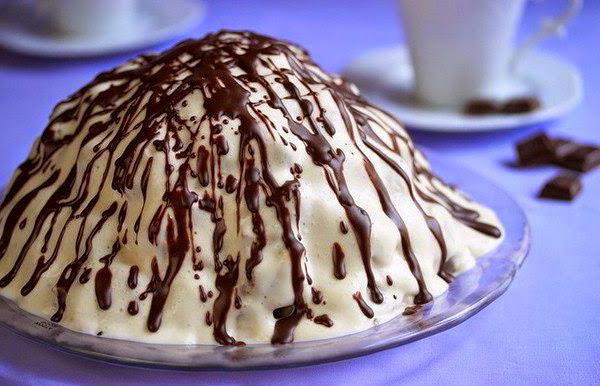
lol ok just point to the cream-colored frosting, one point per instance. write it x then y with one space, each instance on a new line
184 315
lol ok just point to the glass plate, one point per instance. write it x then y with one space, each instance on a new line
468 294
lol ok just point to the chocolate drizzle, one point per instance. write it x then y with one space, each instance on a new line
339 267
104 279
132 279
137 113
225 284
364 307
132 308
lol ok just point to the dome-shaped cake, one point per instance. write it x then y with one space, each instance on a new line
226 191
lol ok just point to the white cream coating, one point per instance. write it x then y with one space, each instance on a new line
183 318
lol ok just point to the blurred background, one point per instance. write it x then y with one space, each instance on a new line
334 32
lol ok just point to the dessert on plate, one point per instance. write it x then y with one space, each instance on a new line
229 191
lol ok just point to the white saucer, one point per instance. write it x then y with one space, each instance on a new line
385 77
22 31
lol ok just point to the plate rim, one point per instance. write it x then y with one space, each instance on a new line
46 47
517 257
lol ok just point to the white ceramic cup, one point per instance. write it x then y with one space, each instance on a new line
90 17
464 49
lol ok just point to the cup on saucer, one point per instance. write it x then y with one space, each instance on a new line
90 17
462 50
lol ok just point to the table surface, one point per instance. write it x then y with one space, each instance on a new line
543 330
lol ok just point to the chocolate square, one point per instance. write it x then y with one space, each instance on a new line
535 150
481 107
562 187
584 158
520 105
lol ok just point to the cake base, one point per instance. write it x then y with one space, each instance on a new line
469 293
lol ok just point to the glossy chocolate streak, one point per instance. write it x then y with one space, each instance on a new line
339 267
364 307
252 196
368 135
128 132
71 271
132 279
343 227
388 207
132 308
225 284
104 279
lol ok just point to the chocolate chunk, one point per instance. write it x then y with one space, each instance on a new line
562 187
535 150
481 107
324 320
584 158
562 147
520 105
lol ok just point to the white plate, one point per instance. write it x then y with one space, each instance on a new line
22 31
385 77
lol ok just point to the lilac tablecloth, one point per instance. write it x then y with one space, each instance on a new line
543 330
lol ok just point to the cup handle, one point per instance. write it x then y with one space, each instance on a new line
550 27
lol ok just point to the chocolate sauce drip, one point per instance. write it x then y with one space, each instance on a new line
12 219
140 104
308 278
364 307
203 174
122 214
70 272
367 134
297 169
85 275
225 283
317 296
252 196
231 184
389 280
144 185
388 207
343 228
104 279
339 267
154 279
433 225
467 216
323 320
203 297
332 160
132 279
180 200
133 308
221 144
